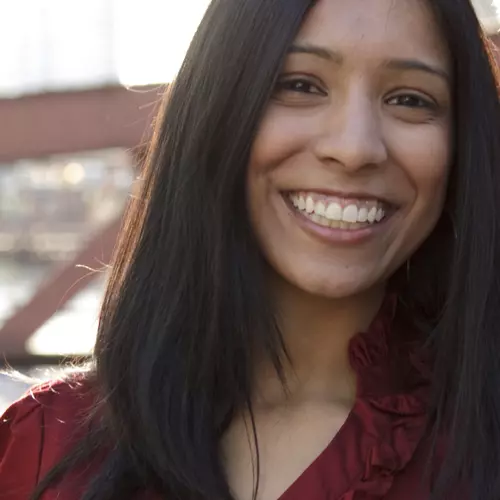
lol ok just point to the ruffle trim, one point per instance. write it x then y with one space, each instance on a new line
396 421
402 420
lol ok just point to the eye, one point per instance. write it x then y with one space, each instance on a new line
413 101
298 85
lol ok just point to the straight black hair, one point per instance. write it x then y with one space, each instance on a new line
186 306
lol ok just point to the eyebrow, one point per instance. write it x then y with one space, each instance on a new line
416 65
395 64
314 50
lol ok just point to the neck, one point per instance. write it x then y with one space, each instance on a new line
316 332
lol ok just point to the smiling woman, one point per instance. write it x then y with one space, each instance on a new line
304 300
359 125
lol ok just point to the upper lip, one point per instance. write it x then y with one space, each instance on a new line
349 195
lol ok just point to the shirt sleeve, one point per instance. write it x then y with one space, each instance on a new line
21 444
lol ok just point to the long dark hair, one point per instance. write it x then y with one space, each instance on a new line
186 307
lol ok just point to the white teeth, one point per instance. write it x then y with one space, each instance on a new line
350 213
334 215
372 214
309 205
334 211
363 214
320 208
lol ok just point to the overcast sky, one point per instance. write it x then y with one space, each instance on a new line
53 44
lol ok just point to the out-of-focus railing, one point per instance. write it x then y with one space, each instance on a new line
67 165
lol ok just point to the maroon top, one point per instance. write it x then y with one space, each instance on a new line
378 453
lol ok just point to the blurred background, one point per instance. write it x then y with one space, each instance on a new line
79 84
80 81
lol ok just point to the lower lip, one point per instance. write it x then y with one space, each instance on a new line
336 235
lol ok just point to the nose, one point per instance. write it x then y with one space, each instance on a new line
351 135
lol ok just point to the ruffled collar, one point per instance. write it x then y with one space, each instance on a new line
389 357
393 394
387 422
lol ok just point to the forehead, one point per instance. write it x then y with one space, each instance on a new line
375 29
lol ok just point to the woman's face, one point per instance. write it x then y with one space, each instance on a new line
348 172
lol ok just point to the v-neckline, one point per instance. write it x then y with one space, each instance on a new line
306 480
386 423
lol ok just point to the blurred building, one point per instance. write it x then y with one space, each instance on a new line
76 107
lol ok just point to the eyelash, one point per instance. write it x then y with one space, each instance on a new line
289 86
422 103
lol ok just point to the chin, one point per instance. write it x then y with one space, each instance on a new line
333 285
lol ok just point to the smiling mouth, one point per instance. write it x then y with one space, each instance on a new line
339 213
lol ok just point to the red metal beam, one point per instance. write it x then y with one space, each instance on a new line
60 287
55 123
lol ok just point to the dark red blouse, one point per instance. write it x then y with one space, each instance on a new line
378 453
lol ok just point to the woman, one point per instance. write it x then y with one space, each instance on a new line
318 170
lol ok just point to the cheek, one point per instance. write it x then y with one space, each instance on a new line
280 136
278 139
424 159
